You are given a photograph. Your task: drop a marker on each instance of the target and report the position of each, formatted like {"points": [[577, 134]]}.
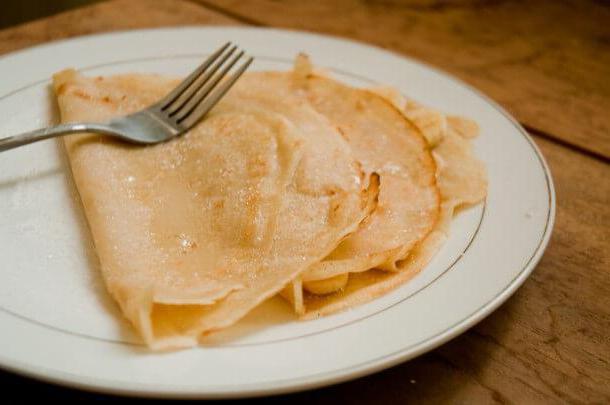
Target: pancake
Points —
{"points": [[389, 145], [426, 170], [193, 233], [294, 184], [461, 180]]}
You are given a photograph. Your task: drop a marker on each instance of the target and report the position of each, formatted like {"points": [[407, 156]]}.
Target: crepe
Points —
{"points": [[385, 143], [193, 233], [390, 146], [294, 184], [461, 181], [358, 272]]}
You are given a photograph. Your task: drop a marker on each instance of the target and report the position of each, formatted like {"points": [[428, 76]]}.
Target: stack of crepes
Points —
{"points": [[294, 184]]}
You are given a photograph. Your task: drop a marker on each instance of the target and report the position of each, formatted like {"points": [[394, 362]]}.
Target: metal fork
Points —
{"points": [[176, 113]]}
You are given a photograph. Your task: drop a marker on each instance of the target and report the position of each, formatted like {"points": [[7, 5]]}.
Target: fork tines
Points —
{"points": [[203, 88]]}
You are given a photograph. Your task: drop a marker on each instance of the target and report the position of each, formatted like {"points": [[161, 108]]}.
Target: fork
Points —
{"points": [[173, 115]]}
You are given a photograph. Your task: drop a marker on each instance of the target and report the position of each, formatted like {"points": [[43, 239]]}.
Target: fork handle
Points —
{"points": [[51, 132]]}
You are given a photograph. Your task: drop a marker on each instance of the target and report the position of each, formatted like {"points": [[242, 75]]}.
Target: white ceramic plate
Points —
{"points": [[59, 325]]}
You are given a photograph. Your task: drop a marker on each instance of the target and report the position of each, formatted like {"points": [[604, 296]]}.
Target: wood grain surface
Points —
{"points": [[550, 343], [109, 16], [543, 60]]}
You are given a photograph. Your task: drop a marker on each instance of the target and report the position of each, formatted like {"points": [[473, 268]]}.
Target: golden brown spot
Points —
{"points": [[360, 104], [258, 167], [252, 200], [336, 207], [81, 94], [61, 88], [342, 132]]}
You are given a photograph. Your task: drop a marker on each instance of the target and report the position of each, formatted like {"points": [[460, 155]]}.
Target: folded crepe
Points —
{"points": [[294, 184], [462, 182], [388, 144], [193, 233], [426, 168]]}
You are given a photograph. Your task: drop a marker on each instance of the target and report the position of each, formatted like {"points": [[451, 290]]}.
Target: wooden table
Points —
{"points": [[548, 63]]}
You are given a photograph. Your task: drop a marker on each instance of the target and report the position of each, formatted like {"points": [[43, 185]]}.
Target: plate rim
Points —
{"points": [[277, 387]]}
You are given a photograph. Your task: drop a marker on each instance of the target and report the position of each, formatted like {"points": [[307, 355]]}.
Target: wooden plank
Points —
{"points": [[547, 62], [109, 16]]}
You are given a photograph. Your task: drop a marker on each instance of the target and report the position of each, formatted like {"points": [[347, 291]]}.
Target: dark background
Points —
{"points": [[13, 12]]}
